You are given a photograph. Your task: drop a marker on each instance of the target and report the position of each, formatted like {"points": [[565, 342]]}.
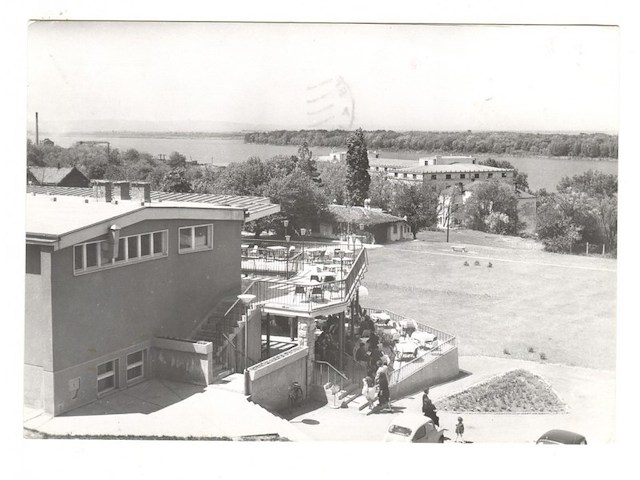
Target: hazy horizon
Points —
{"points": [[262, 76]]}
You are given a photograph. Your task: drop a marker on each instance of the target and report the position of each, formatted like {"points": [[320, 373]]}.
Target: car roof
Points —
{"points": [[410, 420], [562, 436]]}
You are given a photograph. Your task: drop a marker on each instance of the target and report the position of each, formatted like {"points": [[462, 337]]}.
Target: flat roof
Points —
{"points": [[256, 207], [46, 217], [452, 168]]}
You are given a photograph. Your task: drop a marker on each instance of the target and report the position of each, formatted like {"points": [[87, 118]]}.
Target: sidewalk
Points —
{"points": [[588, 393], [163, 408]]}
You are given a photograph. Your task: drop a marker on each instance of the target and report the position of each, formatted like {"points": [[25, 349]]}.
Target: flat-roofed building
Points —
{"points": [[108, 270]]}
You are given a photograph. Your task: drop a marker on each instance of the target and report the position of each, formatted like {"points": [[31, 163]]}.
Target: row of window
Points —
{"points": [[102, 254], [108, 372], [448, 175]]}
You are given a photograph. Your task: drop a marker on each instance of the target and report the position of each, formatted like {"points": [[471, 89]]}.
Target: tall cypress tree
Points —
{"points": [[358, 179]]}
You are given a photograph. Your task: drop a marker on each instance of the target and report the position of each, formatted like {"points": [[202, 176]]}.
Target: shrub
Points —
{"points": [[543, 356], [477, 263], [531, 350], [466, 264], [490, 265], [506, 351]]}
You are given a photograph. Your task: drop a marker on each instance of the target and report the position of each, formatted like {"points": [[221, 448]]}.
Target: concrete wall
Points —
{"points": [[182, 361], [76, 322], [271, 381], [75, 386], [107, 310], [443, 369]]}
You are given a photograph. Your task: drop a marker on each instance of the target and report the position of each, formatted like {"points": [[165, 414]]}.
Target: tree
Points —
{"points": [[35, 156], [177, 160], [301, 201], [357, 179], [244, 178], [417, 203], [306, 163], [176, 181], [592, 182], [381, 191], [487, 201], [333, 176]]}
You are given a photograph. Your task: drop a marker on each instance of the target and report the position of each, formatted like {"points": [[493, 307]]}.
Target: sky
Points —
{"points": [[226, 76]]}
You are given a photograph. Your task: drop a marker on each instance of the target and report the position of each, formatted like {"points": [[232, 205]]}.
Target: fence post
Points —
{"points": [[603, 249], [587, 252]]}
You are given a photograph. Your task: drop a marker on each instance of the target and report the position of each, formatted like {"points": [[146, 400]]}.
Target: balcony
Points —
{"points": [[319, 278]]}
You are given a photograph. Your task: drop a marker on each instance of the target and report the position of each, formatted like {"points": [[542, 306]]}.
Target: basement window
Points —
{"points": [[447, 176], [135, 366], [107, 376]]}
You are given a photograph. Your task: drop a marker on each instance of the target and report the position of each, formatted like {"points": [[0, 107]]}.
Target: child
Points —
{"points": [[459, 430]]}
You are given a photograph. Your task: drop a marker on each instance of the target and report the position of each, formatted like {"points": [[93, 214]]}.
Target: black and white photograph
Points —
{"points": [[316, 232]]}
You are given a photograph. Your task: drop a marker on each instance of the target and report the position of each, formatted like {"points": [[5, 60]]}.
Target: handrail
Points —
{"points": [[237, 300], [332, 368]]}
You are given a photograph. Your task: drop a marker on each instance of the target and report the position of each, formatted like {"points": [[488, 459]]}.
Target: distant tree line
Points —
{"points": [[590, 145], [584, 209]]}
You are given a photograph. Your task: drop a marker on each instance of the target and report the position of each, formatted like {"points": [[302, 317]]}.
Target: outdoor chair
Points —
{"points": [[315, 277], [300, 290], [316, 291]]}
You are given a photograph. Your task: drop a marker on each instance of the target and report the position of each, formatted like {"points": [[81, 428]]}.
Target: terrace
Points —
{"points": [[308, 278]]}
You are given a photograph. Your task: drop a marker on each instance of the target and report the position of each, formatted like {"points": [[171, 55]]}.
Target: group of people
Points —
{"points": [[377, 386]]}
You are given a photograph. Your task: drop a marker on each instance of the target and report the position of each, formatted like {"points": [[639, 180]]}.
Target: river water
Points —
{"points": [[544, 172]]}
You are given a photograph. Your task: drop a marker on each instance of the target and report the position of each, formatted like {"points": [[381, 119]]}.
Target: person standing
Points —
{"points": [[383, 386], [459, 430], [369, 391], [429, 409]]}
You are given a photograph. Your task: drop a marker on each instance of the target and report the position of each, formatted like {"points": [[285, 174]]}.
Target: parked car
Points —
{"points": [[413, 428], [561, 437]]}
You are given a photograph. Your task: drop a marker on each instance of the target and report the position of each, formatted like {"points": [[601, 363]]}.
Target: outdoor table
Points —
{"points": [[380, 317], [276, 250]]}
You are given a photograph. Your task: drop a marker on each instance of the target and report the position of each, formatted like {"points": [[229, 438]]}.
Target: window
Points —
{"points": [[135, 366], [415, 176], [92, 256], [476, 175], [404, 175], [462, 175], [448, 176], [434, 177], [196, 238], [489, 175], [395, 174], [395, 228], [107, 376], [504, 174]]}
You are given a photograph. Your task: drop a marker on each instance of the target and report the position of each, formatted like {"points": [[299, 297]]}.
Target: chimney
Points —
{"points": [[122, 190], [102, 190], [141, 191]]}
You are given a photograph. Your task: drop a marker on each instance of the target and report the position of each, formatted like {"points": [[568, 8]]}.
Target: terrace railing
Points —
{"points": [[445, 343], [277, 257]]}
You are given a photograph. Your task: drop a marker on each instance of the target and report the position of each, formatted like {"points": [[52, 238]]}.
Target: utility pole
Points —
{"points": [[37, 139]]}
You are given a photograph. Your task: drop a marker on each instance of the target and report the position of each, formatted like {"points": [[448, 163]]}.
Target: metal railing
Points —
{"points": [[421, 361], [281, 258], [324, 373], [444, 343]]}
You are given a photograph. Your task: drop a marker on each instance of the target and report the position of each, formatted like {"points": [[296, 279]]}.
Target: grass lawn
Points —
{"points": [[517, 391], [529, 303]]}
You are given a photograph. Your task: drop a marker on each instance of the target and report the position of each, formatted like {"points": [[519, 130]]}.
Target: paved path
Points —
{"points": [[589, 394]]}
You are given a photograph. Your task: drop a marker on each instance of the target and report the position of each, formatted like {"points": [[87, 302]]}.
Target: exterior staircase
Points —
{"points": [[216, 327]]}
